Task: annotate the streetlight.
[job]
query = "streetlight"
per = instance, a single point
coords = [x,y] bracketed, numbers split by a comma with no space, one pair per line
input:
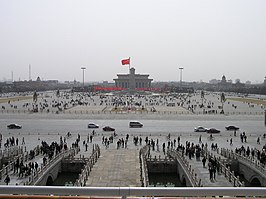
[83,68]
[181,68]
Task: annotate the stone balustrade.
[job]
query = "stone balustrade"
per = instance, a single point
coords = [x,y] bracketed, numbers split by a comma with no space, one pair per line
[85,172]
[143,155]
[186,166]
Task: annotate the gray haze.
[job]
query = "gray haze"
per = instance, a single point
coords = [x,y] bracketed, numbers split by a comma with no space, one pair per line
[208,38]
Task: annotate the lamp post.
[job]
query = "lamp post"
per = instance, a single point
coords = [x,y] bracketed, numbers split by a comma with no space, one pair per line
[181,68]
[83,68]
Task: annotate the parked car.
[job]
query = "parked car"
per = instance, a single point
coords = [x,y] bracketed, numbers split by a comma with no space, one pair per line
[231,128]
[14,126]
[200,129]
[93,126]
[108,128]
[213,130]
[135,124]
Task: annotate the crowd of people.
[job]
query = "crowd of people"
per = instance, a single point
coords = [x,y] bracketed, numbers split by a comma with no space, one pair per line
[208,103]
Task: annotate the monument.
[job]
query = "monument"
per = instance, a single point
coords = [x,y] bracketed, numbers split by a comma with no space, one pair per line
[133,81]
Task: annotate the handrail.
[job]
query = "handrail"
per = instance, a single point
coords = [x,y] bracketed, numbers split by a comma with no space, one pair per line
[143,154]
[135,191]
[83,176]
[230,154]
[228,174]
[36,176]
[24,156]
[183,112]
[187,168]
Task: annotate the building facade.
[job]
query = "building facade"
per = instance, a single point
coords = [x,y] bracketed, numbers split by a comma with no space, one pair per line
[133,81]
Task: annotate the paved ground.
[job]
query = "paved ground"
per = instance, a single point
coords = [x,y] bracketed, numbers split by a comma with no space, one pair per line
[203,174]
[116,168]
[123,162]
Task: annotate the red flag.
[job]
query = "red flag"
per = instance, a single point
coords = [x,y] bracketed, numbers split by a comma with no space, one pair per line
[125,61]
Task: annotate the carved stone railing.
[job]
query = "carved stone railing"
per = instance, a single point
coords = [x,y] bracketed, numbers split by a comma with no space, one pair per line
[35,176]
[22,156]
[143,155]
[188,169]
[85,172]
[223,169]
[254,162]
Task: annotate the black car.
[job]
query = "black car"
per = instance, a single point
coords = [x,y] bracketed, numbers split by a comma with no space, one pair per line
[213,130]
[231,128]
[14,126]
[108,128]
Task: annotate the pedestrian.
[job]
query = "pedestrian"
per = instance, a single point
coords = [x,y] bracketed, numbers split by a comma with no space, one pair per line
[231,141]
[258,140]
[23,141]
[7,179]
[204,161]
[86,147]
[36,166]
[213,172]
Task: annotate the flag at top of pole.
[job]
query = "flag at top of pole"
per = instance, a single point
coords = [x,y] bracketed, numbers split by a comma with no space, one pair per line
[126,61]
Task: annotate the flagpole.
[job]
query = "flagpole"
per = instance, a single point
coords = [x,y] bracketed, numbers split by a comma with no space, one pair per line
[129,65]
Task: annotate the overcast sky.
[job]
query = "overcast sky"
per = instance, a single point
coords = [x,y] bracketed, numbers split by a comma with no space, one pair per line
[208,38]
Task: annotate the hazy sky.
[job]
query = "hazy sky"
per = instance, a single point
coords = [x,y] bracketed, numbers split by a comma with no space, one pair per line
[209,38]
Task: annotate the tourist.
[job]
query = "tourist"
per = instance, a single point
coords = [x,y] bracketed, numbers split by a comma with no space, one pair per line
[23,141]
[204,161]
[7,179]
[258,140]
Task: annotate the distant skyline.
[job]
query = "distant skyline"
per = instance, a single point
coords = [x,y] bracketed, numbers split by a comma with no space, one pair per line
[208,38]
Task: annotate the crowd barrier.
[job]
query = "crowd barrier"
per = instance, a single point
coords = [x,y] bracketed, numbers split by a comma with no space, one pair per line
[83,112]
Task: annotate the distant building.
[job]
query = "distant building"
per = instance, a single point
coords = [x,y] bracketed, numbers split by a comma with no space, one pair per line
[223,82]
[133,81]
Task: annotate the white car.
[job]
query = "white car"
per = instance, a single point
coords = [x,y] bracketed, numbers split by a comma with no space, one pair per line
[135,124]
[200,129]
[93,126]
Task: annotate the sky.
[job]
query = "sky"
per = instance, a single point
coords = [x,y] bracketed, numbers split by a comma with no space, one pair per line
[208,38]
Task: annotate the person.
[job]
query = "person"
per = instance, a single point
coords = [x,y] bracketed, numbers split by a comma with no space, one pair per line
[204,161]
[258,140]
[7,179]
[23,141]
[210,170]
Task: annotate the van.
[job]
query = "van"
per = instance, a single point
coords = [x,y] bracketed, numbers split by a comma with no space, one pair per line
[135,124]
